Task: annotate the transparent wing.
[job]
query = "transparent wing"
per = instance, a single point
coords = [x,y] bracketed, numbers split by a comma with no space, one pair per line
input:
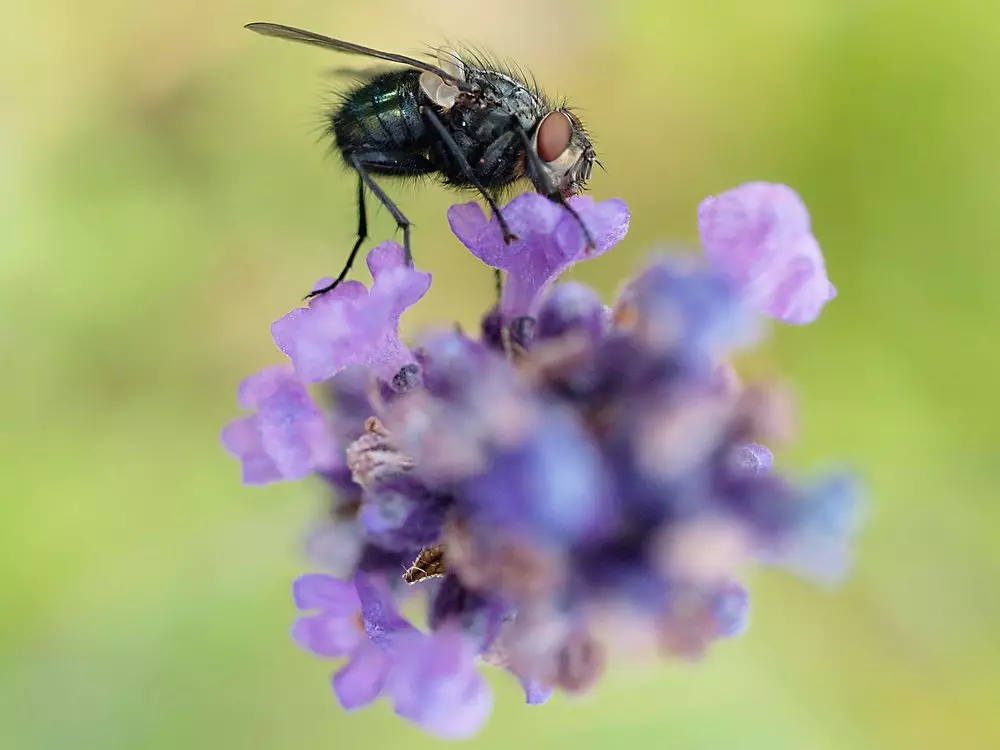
[318,40]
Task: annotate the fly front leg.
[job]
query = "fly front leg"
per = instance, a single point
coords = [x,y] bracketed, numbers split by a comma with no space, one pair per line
[448,142]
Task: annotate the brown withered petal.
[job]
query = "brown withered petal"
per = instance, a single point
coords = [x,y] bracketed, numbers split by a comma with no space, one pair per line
[430,563]
[688,628]
[373,455]
[580,663]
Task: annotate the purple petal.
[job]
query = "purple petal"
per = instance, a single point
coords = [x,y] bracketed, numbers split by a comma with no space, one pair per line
[688,307]
[328,635]
[305,333]
[607,221]
[819,547]
[360,682]
[731,608]
[394,278]
[549,241]
[352,325]
[753,459]
[436,685]
[572,308]
[326,593]
[241,438]
[535,693]
[288,437]
[532,217]
[759,235]
[383,623]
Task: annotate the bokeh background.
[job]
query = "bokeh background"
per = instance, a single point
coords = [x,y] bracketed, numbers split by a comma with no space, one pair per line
[165,197]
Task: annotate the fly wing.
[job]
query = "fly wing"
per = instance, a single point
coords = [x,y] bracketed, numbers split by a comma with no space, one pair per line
[319,40]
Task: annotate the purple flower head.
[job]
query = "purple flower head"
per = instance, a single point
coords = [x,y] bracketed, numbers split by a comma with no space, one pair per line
[287,439]
[550,241]
[352,325]
[571,475]
[759,235]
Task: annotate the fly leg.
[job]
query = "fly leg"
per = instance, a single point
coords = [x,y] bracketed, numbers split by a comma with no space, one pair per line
[388,162]
[362,235]
[456,154]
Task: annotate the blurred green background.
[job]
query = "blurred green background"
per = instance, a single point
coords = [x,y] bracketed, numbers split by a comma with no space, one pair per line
[166,197]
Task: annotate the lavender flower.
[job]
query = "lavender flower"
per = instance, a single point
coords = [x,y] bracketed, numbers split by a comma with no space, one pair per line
[577,471]
[550,241]
[339,628]
[286,439]
[759,236]
[430,679]
[352,325]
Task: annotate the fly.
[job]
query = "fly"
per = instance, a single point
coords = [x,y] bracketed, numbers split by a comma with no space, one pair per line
[472,124]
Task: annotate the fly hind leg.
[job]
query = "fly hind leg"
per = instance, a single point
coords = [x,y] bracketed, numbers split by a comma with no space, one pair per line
[388,163]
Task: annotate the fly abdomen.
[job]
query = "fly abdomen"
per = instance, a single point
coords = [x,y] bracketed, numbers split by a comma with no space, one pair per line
[382,115]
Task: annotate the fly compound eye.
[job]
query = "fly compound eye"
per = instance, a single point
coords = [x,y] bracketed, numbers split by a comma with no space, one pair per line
[554,134]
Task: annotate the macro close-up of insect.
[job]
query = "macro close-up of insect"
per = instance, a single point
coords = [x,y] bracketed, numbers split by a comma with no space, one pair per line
[472,123]
[352,402]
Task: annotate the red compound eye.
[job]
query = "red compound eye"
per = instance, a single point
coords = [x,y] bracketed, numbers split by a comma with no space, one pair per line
[554,134]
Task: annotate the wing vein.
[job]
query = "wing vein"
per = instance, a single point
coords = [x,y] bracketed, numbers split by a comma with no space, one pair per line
[290,33]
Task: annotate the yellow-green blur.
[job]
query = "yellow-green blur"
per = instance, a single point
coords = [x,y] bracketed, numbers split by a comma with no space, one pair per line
[165,196]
